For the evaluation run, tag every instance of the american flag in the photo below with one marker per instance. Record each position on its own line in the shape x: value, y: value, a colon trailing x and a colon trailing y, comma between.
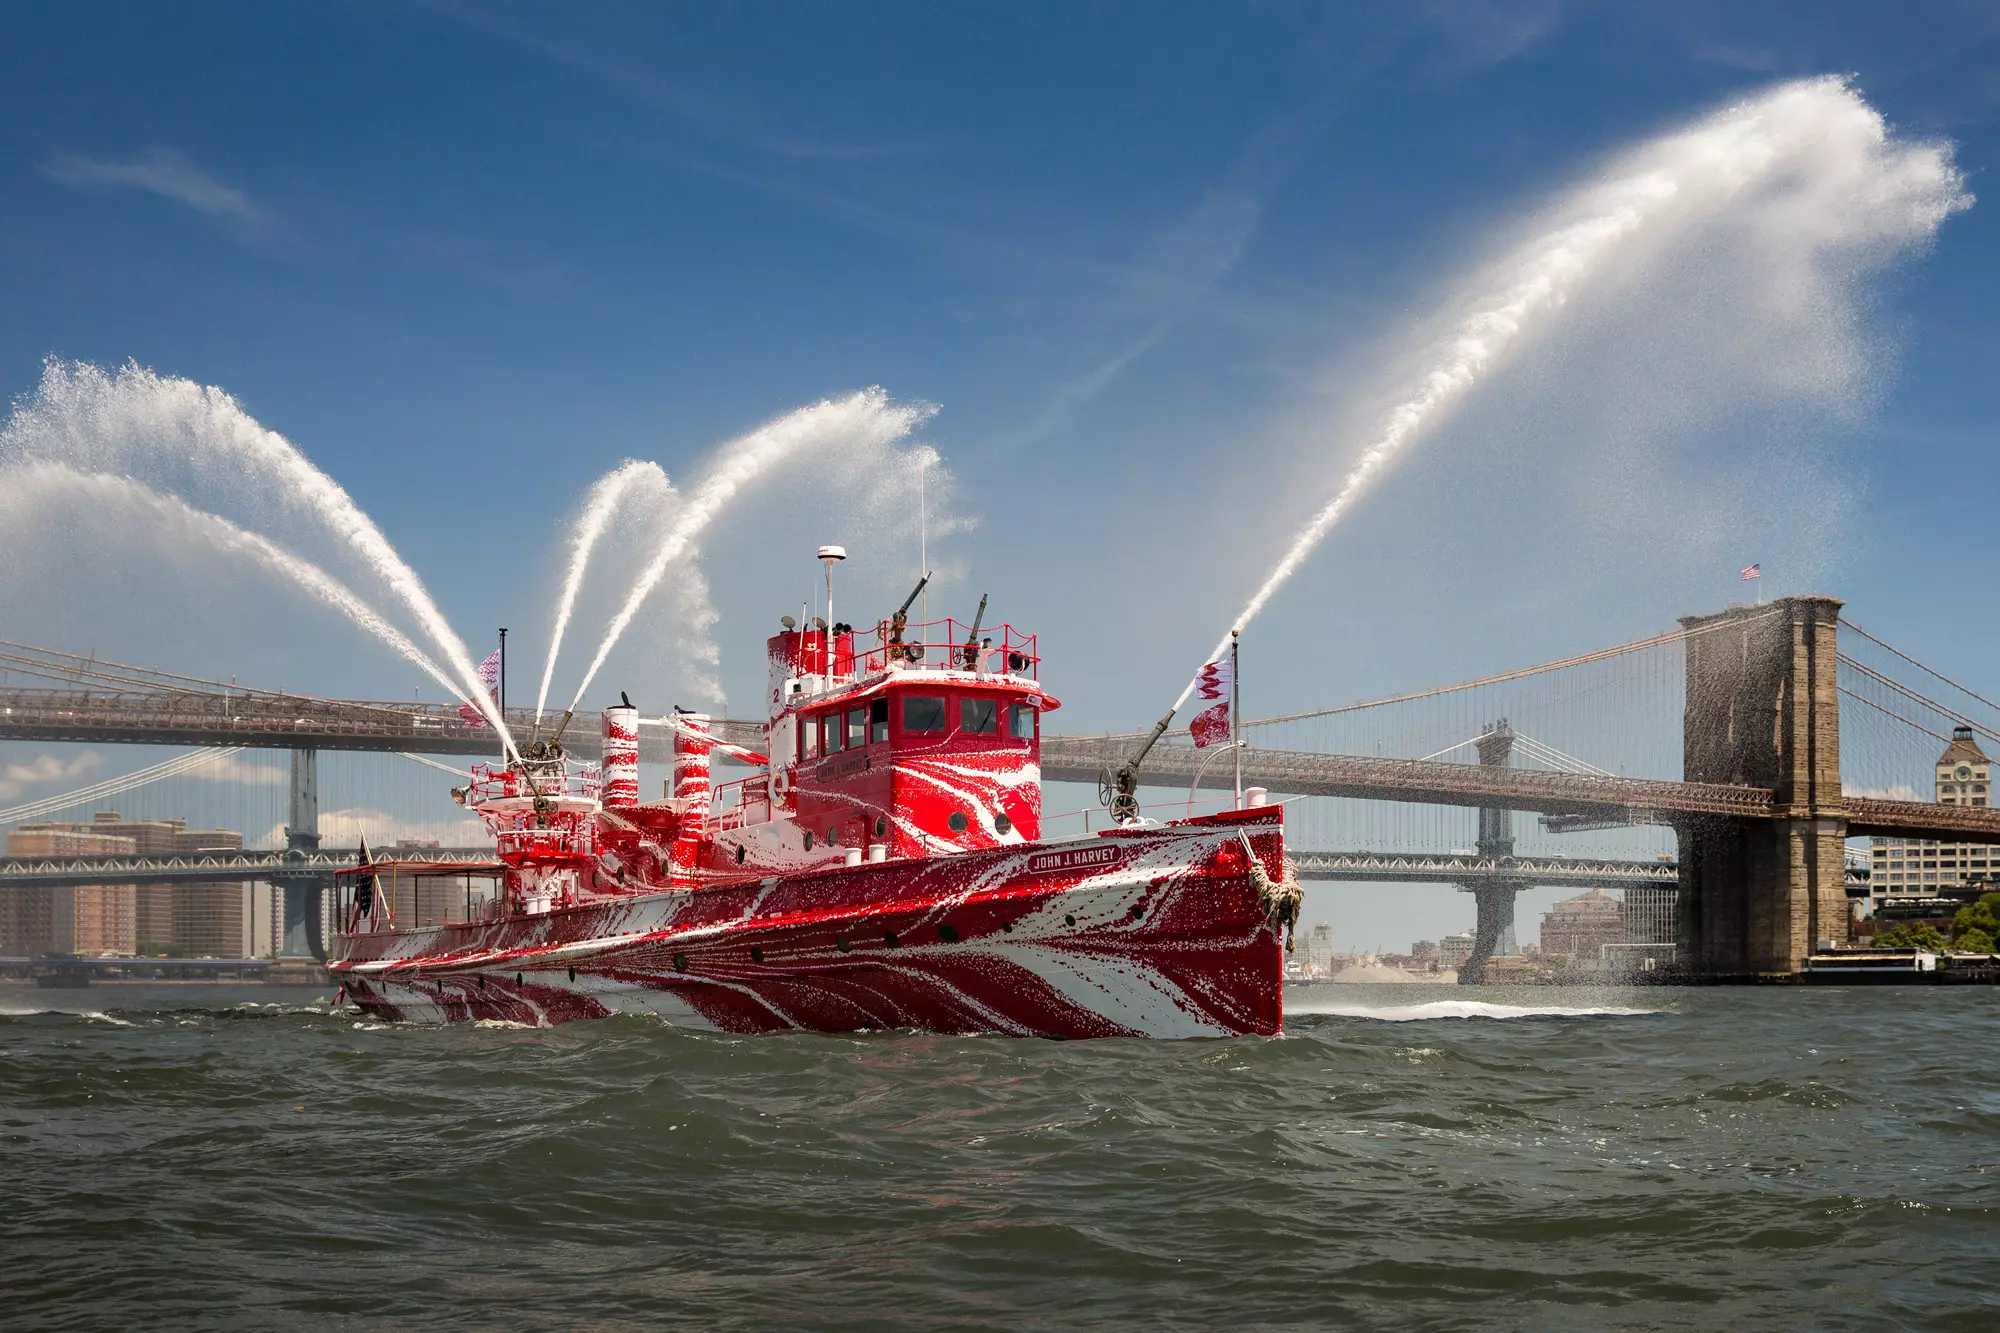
x: 1753, y: 572
x: 489, y: 676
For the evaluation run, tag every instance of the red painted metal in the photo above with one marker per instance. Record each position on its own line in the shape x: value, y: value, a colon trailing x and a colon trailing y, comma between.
x: 885, y: 869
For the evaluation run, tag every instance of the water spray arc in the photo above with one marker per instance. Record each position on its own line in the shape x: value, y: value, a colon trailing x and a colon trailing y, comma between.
x: 635, y: 478
x: 867, y: 417
x: 84, y: 411
x: 38, y: 483
x: 1814, y: 125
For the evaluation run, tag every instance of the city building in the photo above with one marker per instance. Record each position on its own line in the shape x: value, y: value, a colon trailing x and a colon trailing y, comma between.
x: 220, y: 920
x: 87, y: 919
x: 1649, y: 913
x: 1909, y: 867
x: 1453, y: 950
x: 1580, y: 927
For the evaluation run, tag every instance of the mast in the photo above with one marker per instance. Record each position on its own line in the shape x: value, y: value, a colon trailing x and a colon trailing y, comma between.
x: 1235, y: 716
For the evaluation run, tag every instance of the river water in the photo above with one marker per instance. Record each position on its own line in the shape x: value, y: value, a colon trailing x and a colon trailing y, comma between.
x: 1406, y: 1157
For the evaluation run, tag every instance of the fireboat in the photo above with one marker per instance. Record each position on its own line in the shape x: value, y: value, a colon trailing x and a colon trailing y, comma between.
x: 882, y: 867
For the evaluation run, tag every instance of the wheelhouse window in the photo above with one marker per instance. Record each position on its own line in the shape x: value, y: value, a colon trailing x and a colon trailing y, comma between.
x: 857, y: 728
x: 980, y: 717
x: 808, y: 738
x: 878, y: 720
x: 1021, y: 722
x: 832, y: 727
x: 923, y: 712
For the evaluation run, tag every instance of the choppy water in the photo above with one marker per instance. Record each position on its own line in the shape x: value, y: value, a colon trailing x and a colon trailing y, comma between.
x: 1406, y: 1157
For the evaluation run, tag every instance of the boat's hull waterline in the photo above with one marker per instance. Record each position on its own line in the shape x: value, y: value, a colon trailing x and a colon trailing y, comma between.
x: 1156, y: 932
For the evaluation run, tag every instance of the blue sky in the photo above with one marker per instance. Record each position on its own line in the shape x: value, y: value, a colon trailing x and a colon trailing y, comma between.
x: 1139, y: 256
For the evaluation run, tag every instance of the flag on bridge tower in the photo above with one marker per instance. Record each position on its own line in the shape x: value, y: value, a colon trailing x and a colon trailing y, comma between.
x: 1211, y: 725
x: 489, y: 677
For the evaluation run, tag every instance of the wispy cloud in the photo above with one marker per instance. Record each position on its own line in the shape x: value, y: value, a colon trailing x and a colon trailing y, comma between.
x: 1187, y: 261
x: 234, y: 768
x: 166, y: 173
x: 45, y: 768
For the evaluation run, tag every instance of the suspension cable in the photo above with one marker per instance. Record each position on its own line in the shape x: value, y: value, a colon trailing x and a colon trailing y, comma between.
x: 1908, y: 722
x: 1925, y: 700
x: 1602, y: 654
x: 1915, y: 663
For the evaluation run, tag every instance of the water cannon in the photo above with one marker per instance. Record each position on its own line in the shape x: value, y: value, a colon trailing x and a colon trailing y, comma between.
x: 1120, y: 791
x: 788, y: 622
x: 900, y: 621
x: 971, y: 649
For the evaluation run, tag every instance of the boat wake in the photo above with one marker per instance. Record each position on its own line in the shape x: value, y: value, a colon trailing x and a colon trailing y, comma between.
x: 1411, y: 1013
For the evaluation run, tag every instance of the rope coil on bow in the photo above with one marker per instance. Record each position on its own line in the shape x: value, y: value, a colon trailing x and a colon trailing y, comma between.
x: 1282, y: 899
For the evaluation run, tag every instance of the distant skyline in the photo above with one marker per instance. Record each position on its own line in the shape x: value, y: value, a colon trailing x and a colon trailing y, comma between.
x: 1153, y: 266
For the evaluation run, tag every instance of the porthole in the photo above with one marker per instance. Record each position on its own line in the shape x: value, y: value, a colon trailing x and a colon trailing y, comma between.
x: 680, y: 962
x: 1138, y: 912
x: 482, y: 982
x: 1069, y: 919
x: 809, y: 842
x: 843, y: 946
x: 889, y: 938
x: 1007, y: 926
x: 949, y: 934
x: 1002, y: 824
x: 881, y: 827
x: 517, y: 978
x: 957, y: 821
x: 832, y: 840
x: 756, y: 954
x: 740, y: 849
x: 572, y: 974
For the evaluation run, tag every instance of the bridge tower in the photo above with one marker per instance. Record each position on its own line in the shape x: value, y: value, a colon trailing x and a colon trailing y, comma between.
x: 304, y: 932
x: 1763, y: 709
x: 1493, y: 897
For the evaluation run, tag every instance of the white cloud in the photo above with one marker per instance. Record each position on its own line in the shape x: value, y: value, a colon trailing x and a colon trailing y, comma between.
x: 245, y: 772
x: 346, y: 828
x: 166, y: 173
x: 1895, y: 791
x: 16, y: 778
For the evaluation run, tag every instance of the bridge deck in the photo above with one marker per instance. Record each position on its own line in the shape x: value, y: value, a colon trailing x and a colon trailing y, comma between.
x: 262, y: 719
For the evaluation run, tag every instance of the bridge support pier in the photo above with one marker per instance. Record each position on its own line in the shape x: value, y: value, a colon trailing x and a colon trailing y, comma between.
x: 1763, y: 709
x: 1493, y: 899
x: 304, y: 933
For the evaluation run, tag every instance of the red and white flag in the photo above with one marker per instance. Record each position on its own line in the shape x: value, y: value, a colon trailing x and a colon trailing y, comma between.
x: 1752, y: 572
x: 1215, y: 681
x: 489, y: 676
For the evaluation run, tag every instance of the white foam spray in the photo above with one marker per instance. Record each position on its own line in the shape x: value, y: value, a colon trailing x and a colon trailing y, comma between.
x: 167, y: 517
x: 634, y: 477
x: 80, y: 413
x: 865, y: 419
x: 1816, y: 128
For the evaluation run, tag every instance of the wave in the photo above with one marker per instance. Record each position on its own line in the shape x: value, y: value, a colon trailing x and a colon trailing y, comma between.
x: 1411, y: 1013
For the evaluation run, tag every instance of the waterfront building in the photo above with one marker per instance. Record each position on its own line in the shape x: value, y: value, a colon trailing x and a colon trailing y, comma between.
x: 219, y: 920
x: 1912, y: 867
x: 1453, y: 950
x: 86, y: 919
x: 1649, y: 913
x: 1580, y: 927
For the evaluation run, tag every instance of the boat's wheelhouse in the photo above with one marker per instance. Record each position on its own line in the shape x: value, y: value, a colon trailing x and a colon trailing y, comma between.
x: 923, y: 741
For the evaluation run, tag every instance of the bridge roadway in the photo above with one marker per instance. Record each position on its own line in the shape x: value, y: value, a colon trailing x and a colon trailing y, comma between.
x: 268, y: 720
x: 1371, y: 867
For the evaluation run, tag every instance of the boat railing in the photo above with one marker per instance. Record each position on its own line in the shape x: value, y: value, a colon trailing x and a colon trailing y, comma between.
x: 391, y: 895
x: 548, y: 778
x: 941, y: 645
x: 740, y: 803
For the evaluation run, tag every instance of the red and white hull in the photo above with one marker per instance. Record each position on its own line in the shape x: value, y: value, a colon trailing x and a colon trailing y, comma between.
x: 1158, y: 932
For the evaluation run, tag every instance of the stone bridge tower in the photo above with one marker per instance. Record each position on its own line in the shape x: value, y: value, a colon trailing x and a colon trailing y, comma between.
x: 1763, y: 709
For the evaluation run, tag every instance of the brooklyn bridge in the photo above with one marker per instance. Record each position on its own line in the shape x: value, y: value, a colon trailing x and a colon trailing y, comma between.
x: 1759, y: 739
